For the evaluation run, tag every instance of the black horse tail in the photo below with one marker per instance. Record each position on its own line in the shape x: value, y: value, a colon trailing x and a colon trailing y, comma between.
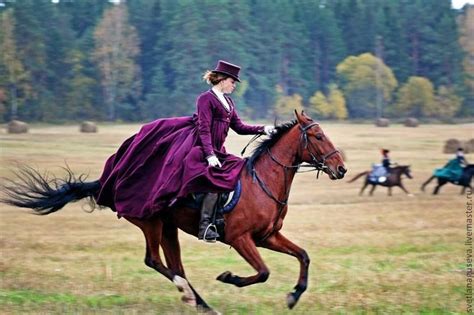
x: 36, y: 191
x: 358, y: 175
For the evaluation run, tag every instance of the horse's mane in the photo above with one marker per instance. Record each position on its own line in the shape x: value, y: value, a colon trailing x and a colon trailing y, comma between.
x: 264, y: 145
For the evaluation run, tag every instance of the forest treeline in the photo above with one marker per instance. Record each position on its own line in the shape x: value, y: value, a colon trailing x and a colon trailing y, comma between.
x: 144, y: 59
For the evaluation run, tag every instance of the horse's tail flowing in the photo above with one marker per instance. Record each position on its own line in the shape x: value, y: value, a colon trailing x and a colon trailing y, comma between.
x: 357, y: 176
x: 36, y: 191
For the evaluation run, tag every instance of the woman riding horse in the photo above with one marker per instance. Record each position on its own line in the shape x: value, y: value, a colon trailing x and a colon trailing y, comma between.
x: 171, y: 158
x: 179, y: 156
x: 256, y: 220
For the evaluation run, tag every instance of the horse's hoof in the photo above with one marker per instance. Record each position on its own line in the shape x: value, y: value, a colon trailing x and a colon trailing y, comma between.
x: 223, y: 277
x: 290, y: 300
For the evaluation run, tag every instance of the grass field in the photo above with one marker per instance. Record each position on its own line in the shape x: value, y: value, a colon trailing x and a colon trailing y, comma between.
x: 369, y: 255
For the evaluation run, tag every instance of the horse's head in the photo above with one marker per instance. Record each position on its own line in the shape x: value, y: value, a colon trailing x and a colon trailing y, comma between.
x: 316, y: 148
x: 406, y: 170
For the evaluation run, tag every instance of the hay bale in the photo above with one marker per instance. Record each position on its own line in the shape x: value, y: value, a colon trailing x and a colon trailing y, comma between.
x: 469, y: 146
x: 411, y: 122
x: 16, y: 126
x: 452, y: 145
x: 88, y: 127
x: 382, y: 122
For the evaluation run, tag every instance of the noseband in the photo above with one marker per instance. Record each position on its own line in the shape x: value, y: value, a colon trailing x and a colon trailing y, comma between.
x: 318, y: 161
x: 318, y: 164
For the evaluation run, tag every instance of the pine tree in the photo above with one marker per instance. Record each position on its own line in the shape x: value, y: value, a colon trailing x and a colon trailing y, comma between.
x: 466, y: 40
x: 14, y: 85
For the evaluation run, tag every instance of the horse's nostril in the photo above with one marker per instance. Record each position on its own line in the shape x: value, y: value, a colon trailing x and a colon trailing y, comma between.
x: 342, y: 170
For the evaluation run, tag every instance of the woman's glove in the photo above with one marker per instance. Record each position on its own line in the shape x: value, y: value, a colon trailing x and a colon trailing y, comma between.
x: 269, y: 130
x: 213, y: 161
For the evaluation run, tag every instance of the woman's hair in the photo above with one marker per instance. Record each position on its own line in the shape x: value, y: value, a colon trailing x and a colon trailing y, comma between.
x: 213, y: 78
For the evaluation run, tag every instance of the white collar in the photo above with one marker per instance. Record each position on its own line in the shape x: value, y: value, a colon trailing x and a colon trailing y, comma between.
x: 221, y: 98
x: 216, y: 90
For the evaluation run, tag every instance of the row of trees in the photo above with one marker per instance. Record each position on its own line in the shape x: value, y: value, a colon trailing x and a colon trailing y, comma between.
x: 370, y: 87
x: 143, y: 59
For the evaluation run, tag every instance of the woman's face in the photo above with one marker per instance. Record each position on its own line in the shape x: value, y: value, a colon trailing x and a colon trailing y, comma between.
x: 227, y: 86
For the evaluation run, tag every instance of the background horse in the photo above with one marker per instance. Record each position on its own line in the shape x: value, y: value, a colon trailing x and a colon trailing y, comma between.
x: 464, y: 181
x: 255, y: 221
x: 394, y: 179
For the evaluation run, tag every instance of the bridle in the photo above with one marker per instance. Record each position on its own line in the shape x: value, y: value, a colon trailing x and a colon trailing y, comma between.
x: 318, y: 164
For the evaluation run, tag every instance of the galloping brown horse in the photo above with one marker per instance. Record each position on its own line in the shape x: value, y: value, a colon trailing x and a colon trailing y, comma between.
x: 255, y: 221
x: 394, y: 179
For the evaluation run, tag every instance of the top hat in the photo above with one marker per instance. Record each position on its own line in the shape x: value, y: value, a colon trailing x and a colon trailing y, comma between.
x: 227, y: 68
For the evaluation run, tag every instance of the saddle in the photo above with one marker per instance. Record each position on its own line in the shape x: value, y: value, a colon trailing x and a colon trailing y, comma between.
x: 226, y: 202
x: 452, y: 171
x: 378, y: 174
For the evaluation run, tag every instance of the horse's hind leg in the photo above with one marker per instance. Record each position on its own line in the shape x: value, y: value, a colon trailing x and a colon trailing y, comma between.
x: 363, y: 188
x: 153, y: 229
x: 426, y: 183
x: 279, y: 243
x: 172, y: 253
x: 440, y: 184
x: 372, y: 190
x: 245, y: 246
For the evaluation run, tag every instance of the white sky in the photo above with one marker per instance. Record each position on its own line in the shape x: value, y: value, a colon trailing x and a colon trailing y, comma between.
x: 458, y: 4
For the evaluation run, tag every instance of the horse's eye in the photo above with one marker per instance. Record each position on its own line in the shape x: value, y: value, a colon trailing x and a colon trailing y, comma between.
x: 319, y: 136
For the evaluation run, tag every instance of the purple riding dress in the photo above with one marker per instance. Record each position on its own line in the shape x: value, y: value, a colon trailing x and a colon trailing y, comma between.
x: 166, y: 160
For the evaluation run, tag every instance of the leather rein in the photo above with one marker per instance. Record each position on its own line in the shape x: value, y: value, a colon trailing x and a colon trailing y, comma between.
x: 318, y: 164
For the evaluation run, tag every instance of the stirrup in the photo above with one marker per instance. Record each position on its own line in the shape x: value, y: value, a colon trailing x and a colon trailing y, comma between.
x: 213, y: 228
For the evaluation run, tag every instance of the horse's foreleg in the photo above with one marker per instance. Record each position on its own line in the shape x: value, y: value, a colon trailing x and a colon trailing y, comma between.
x: 245, y: 246
x: 404, y: 189
x: 280, y: 243
x: 172, y: 253
x: 389, y: 190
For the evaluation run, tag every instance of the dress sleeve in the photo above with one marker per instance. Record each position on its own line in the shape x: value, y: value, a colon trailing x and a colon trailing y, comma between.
x: 204, y: 114
x: 241, y: 128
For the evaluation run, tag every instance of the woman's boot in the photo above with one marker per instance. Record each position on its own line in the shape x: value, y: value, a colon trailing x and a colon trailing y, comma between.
x: 207, y: 231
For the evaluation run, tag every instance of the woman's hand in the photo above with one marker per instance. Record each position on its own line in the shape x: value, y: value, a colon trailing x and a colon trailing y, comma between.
x: 213, y: 161
x: 269, y: 130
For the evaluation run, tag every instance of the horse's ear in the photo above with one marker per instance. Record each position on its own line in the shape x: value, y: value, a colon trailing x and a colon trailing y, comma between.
x: 306, y: 116
x: 302, y: 118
